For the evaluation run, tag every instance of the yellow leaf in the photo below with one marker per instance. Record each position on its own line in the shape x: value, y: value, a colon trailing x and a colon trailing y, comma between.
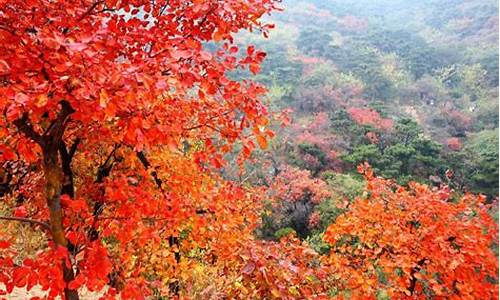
x: 275, y: 293
x: 41, y: 100
x: 103, y: 98
x: 294, y: 291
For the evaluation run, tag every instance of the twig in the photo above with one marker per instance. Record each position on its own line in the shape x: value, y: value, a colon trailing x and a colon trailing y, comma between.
x: 27, y: 220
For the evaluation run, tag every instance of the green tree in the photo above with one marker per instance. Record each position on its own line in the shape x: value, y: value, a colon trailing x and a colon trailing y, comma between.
x: 481, y: 162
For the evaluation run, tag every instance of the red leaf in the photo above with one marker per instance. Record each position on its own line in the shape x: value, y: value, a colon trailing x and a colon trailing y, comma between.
x: 254, y: 68
x: 20, y: 211
x: 19, y: 276
x: 248, y: 268
x: 4, y: 244
x: 77, y: 282
x: 250, y: 50
x: 4, y: 67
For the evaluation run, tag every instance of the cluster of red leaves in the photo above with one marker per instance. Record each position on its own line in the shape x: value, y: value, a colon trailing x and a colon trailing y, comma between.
x: 314, y: 220
x: 315, y: 133
x: 372, y: 137
x: 456, y: 118
x: 369, y: 116
x: 309, y: 62
x: 415, y: 242
x: 40, y: 271
x: 120, y: 80
x: 285, y: 270
x: 116, y: 67
x: 293, y: 184
x: 454, y: 143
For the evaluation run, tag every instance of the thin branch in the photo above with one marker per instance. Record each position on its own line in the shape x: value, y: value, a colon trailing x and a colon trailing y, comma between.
x: 72, y: 150
x: 103, y: 171
x: 145, y: 162
x: 91, y: 8
x: 26, y: 220
x: 106, y: 162
x: 56, y: 129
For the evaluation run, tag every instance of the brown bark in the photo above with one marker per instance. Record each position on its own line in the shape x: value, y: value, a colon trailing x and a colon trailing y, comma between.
x: 66, y: 158
x: 53, y: 189
x: 50, y: 142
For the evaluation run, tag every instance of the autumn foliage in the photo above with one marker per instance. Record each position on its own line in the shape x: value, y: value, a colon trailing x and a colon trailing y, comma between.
x: 117, y: 112
x: 118, y: 118
x: 368, y: 116
x: 415, y: 242
x: 293, y: 184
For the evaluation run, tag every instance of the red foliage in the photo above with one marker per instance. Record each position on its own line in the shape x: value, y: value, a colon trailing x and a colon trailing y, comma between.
x: 316, y: 133
x: 284, y: 270
x: 314, y: 220
x: 454, y: 143
x: 372, y: 137
x: 457, y: 119
x: 293, y: 184
x: 369, y: 116
x: 102, y: 99
x: 418, y: 240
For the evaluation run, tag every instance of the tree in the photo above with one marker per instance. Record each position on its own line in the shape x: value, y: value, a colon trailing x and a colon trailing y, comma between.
x: 476, y: 165
x: 403, y: 153
x: 368, y: 116
x: 416, y: 242
x: 122, y: 112
x: 296, y: 193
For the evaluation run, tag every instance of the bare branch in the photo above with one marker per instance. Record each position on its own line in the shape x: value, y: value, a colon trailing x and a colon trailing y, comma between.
x: 91, y: 8
x: 26, y: 220
x: 145, y: 162
x: 72, y: 150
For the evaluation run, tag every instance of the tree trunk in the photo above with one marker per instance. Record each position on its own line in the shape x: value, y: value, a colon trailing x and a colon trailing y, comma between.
x: 51, y: 143
x: 54, y: 184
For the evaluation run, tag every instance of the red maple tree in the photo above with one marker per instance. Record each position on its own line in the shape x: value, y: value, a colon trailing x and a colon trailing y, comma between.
x: 118, y: 110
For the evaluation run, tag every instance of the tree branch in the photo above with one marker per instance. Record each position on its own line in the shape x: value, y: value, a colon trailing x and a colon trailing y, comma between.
x: 66, y: 158
x: 26, y: 220
x: 145, y: 162
x: 57, y: 127
x: 73, y: 148
x: 91, y: 8
x: 25, y: 127
x: 103, y: 171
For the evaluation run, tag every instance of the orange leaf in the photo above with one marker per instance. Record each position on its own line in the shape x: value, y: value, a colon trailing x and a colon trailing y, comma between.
x: 262, y: 141
x: 103, y: 98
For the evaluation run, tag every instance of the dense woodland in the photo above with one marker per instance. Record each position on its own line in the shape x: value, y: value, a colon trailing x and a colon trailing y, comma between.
x: 249, y: 149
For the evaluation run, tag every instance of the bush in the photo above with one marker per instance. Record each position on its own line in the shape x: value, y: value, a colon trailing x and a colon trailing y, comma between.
x: 283, y: 232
